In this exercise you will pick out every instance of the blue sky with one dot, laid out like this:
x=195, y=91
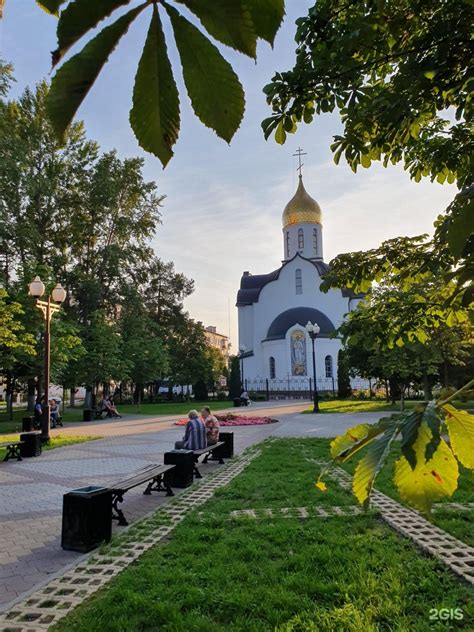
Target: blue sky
x=222, y=213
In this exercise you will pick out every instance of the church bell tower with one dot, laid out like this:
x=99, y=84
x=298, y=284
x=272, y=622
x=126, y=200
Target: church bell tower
x=302, y=224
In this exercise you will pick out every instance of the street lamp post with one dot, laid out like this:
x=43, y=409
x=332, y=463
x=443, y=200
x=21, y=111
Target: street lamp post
x=313, y=330
x=48, y=309
x=242, y=350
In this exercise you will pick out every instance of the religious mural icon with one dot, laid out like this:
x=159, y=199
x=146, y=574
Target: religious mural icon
x=298, y=352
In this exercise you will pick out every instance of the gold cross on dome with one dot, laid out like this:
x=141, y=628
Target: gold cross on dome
x=299, y=153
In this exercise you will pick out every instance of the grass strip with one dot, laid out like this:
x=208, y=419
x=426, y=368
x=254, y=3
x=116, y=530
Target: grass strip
x=58, y=441
x=344, y=574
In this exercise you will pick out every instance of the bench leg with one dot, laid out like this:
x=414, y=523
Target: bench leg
x=117, y=513
x=197, y=473
x=13, y=452
x=210, y=456
x=161, y=485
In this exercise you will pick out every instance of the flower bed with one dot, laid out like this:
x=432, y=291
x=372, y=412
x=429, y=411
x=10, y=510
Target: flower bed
x=229, y=419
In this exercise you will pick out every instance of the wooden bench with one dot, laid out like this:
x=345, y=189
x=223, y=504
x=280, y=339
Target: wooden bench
x=13, y=449
x=209, y=454
x=154, y=474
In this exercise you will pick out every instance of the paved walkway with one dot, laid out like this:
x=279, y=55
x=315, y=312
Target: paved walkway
x=31, y=490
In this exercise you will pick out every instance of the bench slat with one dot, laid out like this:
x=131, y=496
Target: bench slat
x=208, y=449
x=137, y=478
x=7, y=444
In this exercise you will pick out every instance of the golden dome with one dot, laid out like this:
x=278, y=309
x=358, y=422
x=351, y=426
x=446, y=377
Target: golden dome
x=301, y=209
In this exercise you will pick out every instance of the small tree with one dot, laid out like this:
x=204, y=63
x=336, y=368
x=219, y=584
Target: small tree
x=235, y=386
x=343, y=378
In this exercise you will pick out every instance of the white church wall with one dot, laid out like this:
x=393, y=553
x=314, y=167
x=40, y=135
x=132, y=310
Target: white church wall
x=277, y=350
x=246, y=327
x=280, y=295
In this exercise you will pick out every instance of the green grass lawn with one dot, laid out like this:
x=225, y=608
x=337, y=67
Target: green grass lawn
x=372, y=406
x=344, y=574
x=356, y=406
x=58, y=441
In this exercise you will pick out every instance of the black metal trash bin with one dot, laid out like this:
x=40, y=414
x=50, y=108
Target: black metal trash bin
x=225, y=451
x=236, y=402
x=87, y=518
x=27, y=424
x=183, y=474
x=87, y=414
x=31, y=445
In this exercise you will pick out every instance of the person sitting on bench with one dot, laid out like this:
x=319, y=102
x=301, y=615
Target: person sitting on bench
x=212, y=425
x=107, y=407
x=244, y=398
x=194, y=434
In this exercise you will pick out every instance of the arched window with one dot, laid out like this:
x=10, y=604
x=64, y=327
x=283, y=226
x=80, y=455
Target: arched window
x=272, y=368
x=288, y=243
x=298, y=281
x=328, y=365
x=300, y=238
x=315, y=240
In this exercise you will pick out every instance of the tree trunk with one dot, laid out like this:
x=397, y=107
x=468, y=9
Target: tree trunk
x=139, y=396
x=88, y=397
x=9, y=395
x=402, y=398
x=72, y=402
x=427, y=387
x=387, y=396
x=445, y=372
x=31, y=394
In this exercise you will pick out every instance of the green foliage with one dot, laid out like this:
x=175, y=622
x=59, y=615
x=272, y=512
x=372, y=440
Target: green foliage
x=427, y=469
x=72, y=214
x=393, y=69
x=343, y=378
x=397, y=336
x=155, y=113
x=15, y=342
x=213, y=88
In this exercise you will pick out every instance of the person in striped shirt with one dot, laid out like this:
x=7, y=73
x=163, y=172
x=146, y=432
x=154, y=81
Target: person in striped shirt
x=194, y=434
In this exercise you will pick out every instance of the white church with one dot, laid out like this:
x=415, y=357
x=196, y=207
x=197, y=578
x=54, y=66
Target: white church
x=274, y=308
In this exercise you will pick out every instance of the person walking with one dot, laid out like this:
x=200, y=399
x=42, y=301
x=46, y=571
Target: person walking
x=194, y=434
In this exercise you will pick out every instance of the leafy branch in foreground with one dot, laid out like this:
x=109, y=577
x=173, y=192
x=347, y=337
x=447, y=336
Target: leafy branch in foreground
x=427, y=470
x=216, y=94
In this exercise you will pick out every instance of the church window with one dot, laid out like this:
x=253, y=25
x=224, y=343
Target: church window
x=288, y=243
x=300, y=238
x=328, y=365
x=272, y=368
x=315, y=240
x=299, y=281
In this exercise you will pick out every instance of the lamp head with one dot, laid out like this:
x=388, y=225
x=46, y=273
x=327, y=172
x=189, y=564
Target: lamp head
x=36, y=287
x=59, y=294
x=316, y=328
x=242, y=348
x=309, y=326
